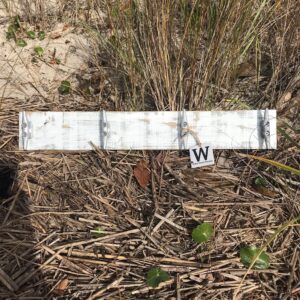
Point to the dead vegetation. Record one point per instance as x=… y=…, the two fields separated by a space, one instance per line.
x=80 y=226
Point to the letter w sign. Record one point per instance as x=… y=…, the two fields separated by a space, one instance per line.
x=202 y=156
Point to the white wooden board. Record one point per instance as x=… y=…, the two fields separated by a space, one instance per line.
x=143 y=130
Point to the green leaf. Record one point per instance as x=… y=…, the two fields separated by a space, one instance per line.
x=249 y=254
x=155 y=276
x=202 y=233
x=21 y=43
x=39 y=51
x=31 y=34
x=12 y=28
x=64 y=88
x=261 y=185
x=41 y=35
x=11 y=32
x=17 y=22
x=260 y=181
x=10 y=35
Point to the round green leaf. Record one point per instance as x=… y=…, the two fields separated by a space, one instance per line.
x=202 y=233
x=21 y=43
x=39 y=51
x=41 y=35
x=248 y=254
x=64 y=88
x=31 y=34
x=155 y=276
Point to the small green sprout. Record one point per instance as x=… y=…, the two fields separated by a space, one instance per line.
x=39 y=51
x=10 y=35
x=260 y=181
x=41 y=35
x=155 y=276
x=248 y=254
x=31 y=34
x=11 y=32
x=21 y=43
x=64 y=87
x=202 y=233
x=17 y=22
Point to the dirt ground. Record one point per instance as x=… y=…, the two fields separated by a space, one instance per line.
x=79 y=225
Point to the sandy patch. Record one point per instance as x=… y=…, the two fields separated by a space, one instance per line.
x=23 y=74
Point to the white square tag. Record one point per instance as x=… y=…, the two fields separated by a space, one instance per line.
x=202 y=156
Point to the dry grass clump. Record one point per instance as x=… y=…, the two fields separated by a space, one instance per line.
x=175 y=54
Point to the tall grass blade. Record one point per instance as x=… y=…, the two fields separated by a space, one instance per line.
x=274 y=163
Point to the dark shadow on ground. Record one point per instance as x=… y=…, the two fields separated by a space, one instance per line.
x=19 y=272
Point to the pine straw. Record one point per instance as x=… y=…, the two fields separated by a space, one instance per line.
x=57 y=199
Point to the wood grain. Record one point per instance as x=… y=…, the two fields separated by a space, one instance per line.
x=143 y=130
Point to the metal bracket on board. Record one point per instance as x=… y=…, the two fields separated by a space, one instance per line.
x=185 y=130
x=26 y=129
x=104 y=131
x=266 y=129
x=183 y=135
x=155 y=130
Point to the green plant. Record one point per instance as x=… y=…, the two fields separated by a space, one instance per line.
x=261 y=250
x=256 y=257
x=39 y=51
x=21 y=43
x=155 y=276
x=260 y=181
x=11 y=32
x=261 y=185
x=17 y=21
x=12 y=29
x=64 y=87
x=31 y=34
x=41 y=35
x=249 y=253
x=10 y=35
x=202 y=233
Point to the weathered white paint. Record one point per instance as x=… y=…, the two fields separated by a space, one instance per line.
x=143 y=130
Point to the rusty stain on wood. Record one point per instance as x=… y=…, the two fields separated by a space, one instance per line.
x=171 y=124
x=145 y=120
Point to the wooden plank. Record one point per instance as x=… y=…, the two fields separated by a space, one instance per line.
x=143 y=130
